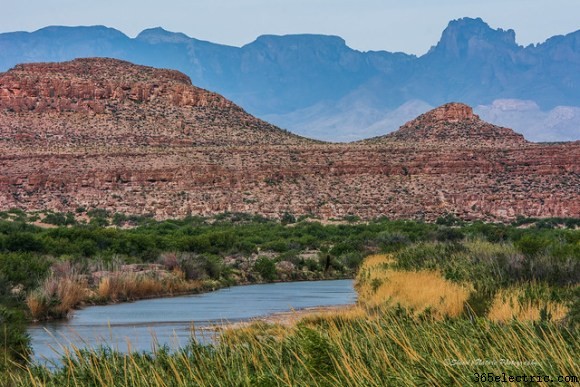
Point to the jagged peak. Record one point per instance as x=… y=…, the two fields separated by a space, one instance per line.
x=456 y=38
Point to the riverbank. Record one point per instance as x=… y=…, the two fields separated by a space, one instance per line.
x=286 y=319
x=395 y=334
x=72 y=292
x=170 y=322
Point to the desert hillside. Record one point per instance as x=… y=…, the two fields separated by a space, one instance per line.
x=104 y=133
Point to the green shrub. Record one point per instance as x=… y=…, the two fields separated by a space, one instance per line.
x=266 y=268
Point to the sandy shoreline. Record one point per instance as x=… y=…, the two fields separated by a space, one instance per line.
x=287 y=319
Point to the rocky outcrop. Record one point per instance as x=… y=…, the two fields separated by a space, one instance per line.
x=166 y=148
x=454 y=124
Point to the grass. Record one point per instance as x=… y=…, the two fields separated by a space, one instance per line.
x=389 y=348
x=425 y=290
x=57 y=296
x=408 y=328
x=131 y=286
x=514 y=304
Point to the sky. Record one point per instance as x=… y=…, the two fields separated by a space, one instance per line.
x=410 y=26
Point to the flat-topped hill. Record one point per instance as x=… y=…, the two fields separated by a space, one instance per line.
x=108 y=102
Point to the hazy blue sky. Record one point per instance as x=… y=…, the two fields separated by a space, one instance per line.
x=395 y=25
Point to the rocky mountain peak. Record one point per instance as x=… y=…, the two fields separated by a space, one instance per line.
x=454 y=124
x=96 y=84
x=95 y=100
x=463 y=36
x=452 y=112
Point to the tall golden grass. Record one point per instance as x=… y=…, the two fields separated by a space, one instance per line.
x=130 y=286
x=59 y=295
x=385 y=350
x=381 y=285
x=511 y=304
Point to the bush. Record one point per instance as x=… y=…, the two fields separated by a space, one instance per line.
x=532 y=245
x=14 y=341
x=60 y=219
x=23 y=268
x=266 y=268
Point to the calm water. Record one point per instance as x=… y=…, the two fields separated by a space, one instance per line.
x=142 y=325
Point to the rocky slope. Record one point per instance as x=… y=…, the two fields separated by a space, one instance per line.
x=101 y=133
x=88 y=103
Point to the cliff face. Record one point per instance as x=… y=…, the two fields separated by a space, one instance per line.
x=108 y=134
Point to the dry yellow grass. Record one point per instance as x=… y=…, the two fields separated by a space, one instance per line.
x=378 y=260
x=422 y=290
x=57 y=296
x=37 y=306
x=129 y=286
x=380 y=285
x=71 y=292
x=510 y=304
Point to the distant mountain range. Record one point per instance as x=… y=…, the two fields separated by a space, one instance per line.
x=318 y=87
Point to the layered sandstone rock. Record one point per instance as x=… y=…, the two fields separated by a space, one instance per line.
x=158 y=145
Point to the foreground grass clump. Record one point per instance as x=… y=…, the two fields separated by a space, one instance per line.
x=390 y=348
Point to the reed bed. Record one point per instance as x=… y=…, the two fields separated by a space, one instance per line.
x=391 y=348
x=380 y=342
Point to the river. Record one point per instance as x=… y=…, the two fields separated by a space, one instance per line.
x=145 y=324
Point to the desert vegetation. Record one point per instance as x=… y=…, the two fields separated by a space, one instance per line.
x=438 y=302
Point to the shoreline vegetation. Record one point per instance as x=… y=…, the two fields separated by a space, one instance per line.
x=433 y=298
